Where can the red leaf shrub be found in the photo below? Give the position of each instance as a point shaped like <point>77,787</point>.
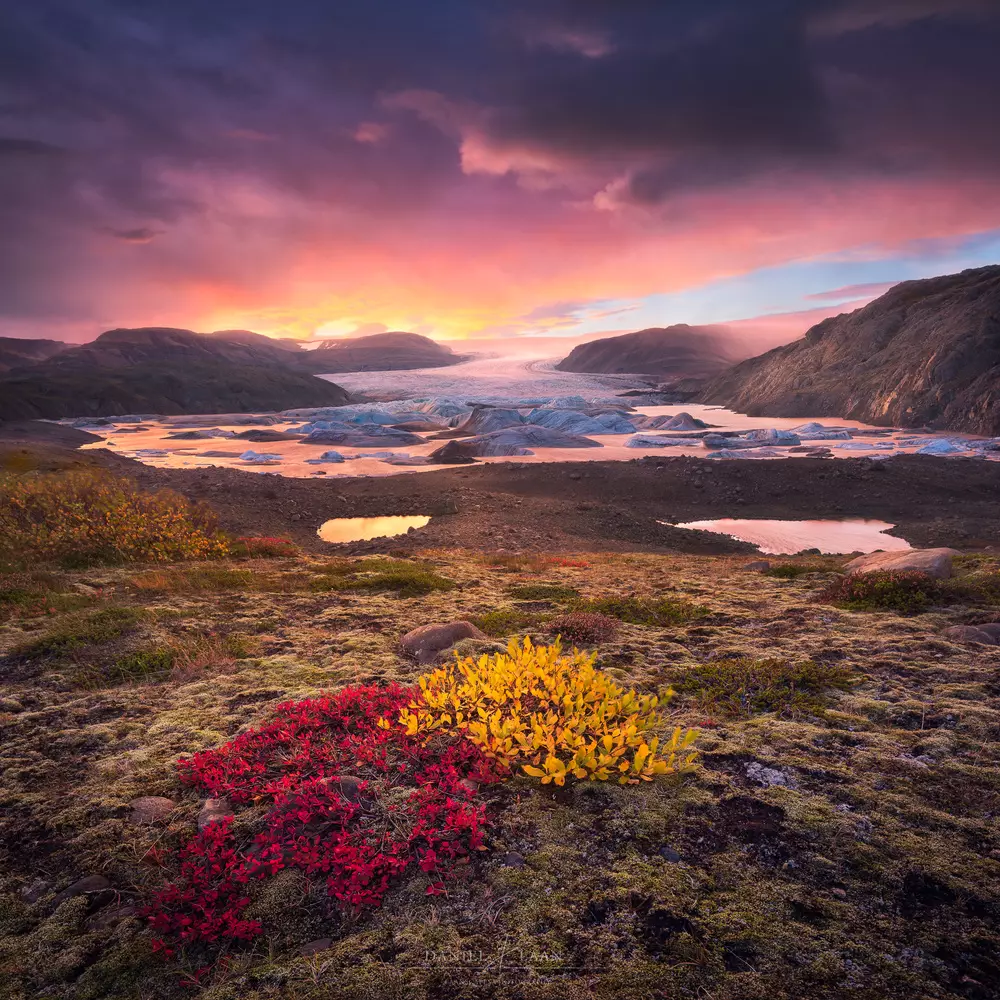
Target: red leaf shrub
<point>905,591</point>
<point>335,772</point>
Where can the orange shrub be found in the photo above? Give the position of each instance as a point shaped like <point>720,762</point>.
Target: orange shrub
<point>87,517</point>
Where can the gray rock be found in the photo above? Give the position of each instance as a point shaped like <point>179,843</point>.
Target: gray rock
<point>214,811</point>
<point>768,776</point>
<point>426,643</point>
<point>758,566</point>
<point>513,860</point>
<point>151,809</point>
<point>313,947</point>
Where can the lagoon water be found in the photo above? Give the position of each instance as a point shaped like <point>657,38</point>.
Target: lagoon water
<point>363,529</point>
<point>789,537</point>
<point>494,381</point>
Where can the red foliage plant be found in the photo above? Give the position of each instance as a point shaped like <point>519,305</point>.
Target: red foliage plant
<point>263,547</point>
<point>352,799</point>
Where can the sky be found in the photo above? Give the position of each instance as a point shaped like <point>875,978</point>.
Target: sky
<point>488,170</point>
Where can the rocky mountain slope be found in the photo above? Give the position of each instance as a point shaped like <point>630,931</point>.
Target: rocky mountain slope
<point>679,350</point>
<point>383,352</point>
<point>163,370</point>
<point>16,352</point>
<point>925,353</point>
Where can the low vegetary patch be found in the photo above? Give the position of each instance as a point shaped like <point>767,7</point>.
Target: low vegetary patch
<point>79,631</point>
<point>407,579</point>
<point>659,611</point>
<point>259,547</point>
<point>504,622</point>
<point>88,517</point>
<point>904,591</point>
<point>543,592</point>
<point>745,686</point>
<point>554,716</point>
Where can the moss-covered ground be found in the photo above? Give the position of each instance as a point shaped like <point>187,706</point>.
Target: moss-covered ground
<point>839,838</point>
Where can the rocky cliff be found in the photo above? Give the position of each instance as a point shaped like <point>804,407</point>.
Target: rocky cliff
<point>925,353</point>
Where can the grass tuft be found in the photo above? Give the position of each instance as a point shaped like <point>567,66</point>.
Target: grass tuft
<point>543,591</point>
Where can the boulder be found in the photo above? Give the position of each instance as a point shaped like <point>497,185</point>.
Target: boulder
<point>992,629</point>
<point>934,562</point>
<point>516,441</point>
<point>451,453</point>
<point>817,432</point>
<point>83,887</point>
<point>969,633</point>
<point>426,643</point>
<point>214,811</point>
<point>773,436</point>
<point>151,809</point>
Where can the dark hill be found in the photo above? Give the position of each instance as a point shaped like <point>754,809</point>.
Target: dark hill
<point>163,370</point>
<point>384,352</point>
<point>681,350</point>
<point>18,353</point>
<point>925,353</point>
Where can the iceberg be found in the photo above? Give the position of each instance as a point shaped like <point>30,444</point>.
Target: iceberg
<point>658,441</point>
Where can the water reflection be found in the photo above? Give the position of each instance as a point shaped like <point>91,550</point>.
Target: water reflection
<point>361,529</point>
<point>787,537</point>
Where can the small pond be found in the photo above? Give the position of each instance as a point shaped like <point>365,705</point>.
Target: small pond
<point>789,537</point>
<point>361,529</point>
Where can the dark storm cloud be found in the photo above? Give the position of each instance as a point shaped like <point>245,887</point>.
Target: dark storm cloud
<point>108,108</point>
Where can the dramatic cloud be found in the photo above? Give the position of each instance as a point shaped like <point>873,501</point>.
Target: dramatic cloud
<point>455,165</point>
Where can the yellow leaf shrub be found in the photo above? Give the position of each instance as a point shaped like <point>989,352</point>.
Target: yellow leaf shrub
<point>556,716</point>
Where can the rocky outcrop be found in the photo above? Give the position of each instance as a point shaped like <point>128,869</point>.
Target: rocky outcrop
<point>935,563</point>
<point>927,353</point>
<point>677,351</point>
<point>16,352</point>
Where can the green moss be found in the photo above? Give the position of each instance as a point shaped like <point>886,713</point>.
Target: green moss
<point>407,579</point>
<point>543,591</point>
<point>652,611</point>
<point>506,622</point>
<point>792,571</point>
<point>743,685</point>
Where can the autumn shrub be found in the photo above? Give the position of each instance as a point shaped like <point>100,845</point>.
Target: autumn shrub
<point>554,716</point>
<point>654,611</point>
<point>904,591</point>
<point>89,517</point>
<point>744,685</point>
<point>342,794</point>
<point>584,628</point>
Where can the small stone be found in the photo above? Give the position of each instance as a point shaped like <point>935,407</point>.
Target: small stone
<point>312,947</point>
<point>768,776</point>
<point>350,787</point>
<point>513,860</point>
<point>839,893</point>
<point>33,891</point>
<point>85,886</point>
<point>669,854</point>
<point>469,785</point>
<point>757,566</point>
<point>425,643</point>
<point>995,855</point>
<point>214,811</point>
<point>151,809</point>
